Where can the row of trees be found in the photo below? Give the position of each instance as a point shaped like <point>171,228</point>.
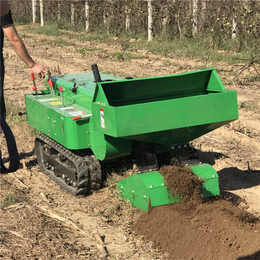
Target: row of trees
<point>234,19</point>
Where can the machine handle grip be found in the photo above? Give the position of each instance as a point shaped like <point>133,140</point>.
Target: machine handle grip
<point>96,73</point>
<point>50,82</point>
<point>32,75</point>
<point>76,118</point>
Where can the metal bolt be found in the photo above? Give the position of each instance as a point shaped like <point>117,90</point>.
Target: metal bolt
<point>89,145</point>
<point>144,196</point>
<point>133,191</point>
<point>163,184</point>
<point>63,176</point>
<point>87,132</point>
<point>48,118</point>
<point>150,170</point>
<point>54,121</point>
<point>185,145</point>
<point>121,187</point>
<point>151,186</point>
<point>68,179</point>
<point>172,147</point>
<point>200,162</point>
<point>52,168</point>
<point>46,164</point>
<point>139,172</point>
<point>55,134</point>
<point>74,184</point>
<point>179,146</point>
<point>213,175</point>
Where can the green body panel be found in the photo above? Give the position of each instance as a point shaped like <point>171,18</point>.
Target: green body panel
<point>210,177</point>
<point>149,187</point>
<point>135,120</point>
<point>45,114</point>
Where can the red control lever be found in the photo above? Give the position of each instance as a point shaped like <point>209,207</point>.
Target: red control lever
<point>34,85</point>
<point>76,118</point>
<point>83,116</point>
<point>51,85</point>
<point>61,97</point>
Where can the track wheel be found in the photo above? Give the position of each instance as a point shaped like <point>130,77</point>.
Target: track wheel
<point>94,169</point>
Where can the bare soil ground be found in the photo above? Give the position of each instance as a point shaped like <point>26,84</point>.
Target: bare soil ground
<point>41,221</point>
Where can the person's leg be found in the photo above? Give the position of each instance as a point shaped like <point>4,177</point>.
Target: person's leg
<point>2,104</point>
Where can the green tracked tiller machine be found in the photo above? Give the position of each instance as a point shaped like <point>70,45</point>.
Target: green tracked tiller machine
<point>90,119</point>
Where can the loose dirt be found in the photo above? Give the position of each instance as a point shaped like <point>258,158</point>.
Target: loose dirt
<point>213,230</point>
<point>181,182</point>
<point>199,228</point>
<point>41,221</point>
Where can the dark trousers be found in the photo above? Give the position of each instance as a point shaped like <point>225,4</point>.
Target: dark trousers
<point>2,104</point>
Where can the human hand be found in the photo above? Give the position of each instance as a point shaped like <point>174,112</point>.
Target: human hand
<point>39,69</point>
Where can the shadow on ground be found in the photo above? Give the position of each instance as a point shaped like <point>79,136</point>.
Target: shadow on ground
<point>231,178</point>
<point>255,256</point>
<point>234,179</point>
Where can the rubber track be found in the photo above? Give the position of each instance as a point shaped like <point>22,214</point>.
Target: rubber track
<point>95,172</point>
<point>83,185</point>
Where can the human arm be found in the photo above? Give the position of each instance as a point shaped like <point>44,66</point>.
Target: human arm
<point>9,30</point>
<point>20,49</point>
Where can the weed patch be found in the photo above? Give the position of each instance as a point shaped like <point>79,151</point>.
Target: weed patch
<point>124,56</point>
<point>51,30</point>
<point>249,105</point>
<point>10,199</point>
<point>252,78</point>
<point>12,113</point>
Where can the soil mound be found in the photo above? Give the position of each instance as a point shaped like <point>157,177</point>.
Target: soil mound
<point>213,229</point>
<point>182,182</point>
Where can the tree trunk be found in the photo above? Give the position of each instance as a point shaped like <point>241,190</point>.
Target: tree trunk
<point>33,10</point>
<point>106,18</point>
<point>72,15</point>
<point>150,20</point>
<point>41,12</point>
<point>165,18</point>
<point>195,17</point>
<point>203,14</point>
<point>127,19</point>
<point>59,11</point>
<point>87,14</point>
<point>234,27</point>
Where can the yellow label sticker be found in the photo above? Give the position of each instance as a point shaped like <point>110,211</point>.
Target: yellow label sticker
<point>55,103</point>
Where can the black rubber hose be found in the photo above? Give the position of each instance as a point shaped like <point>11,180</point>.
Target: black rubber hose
<point>14,160</point>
